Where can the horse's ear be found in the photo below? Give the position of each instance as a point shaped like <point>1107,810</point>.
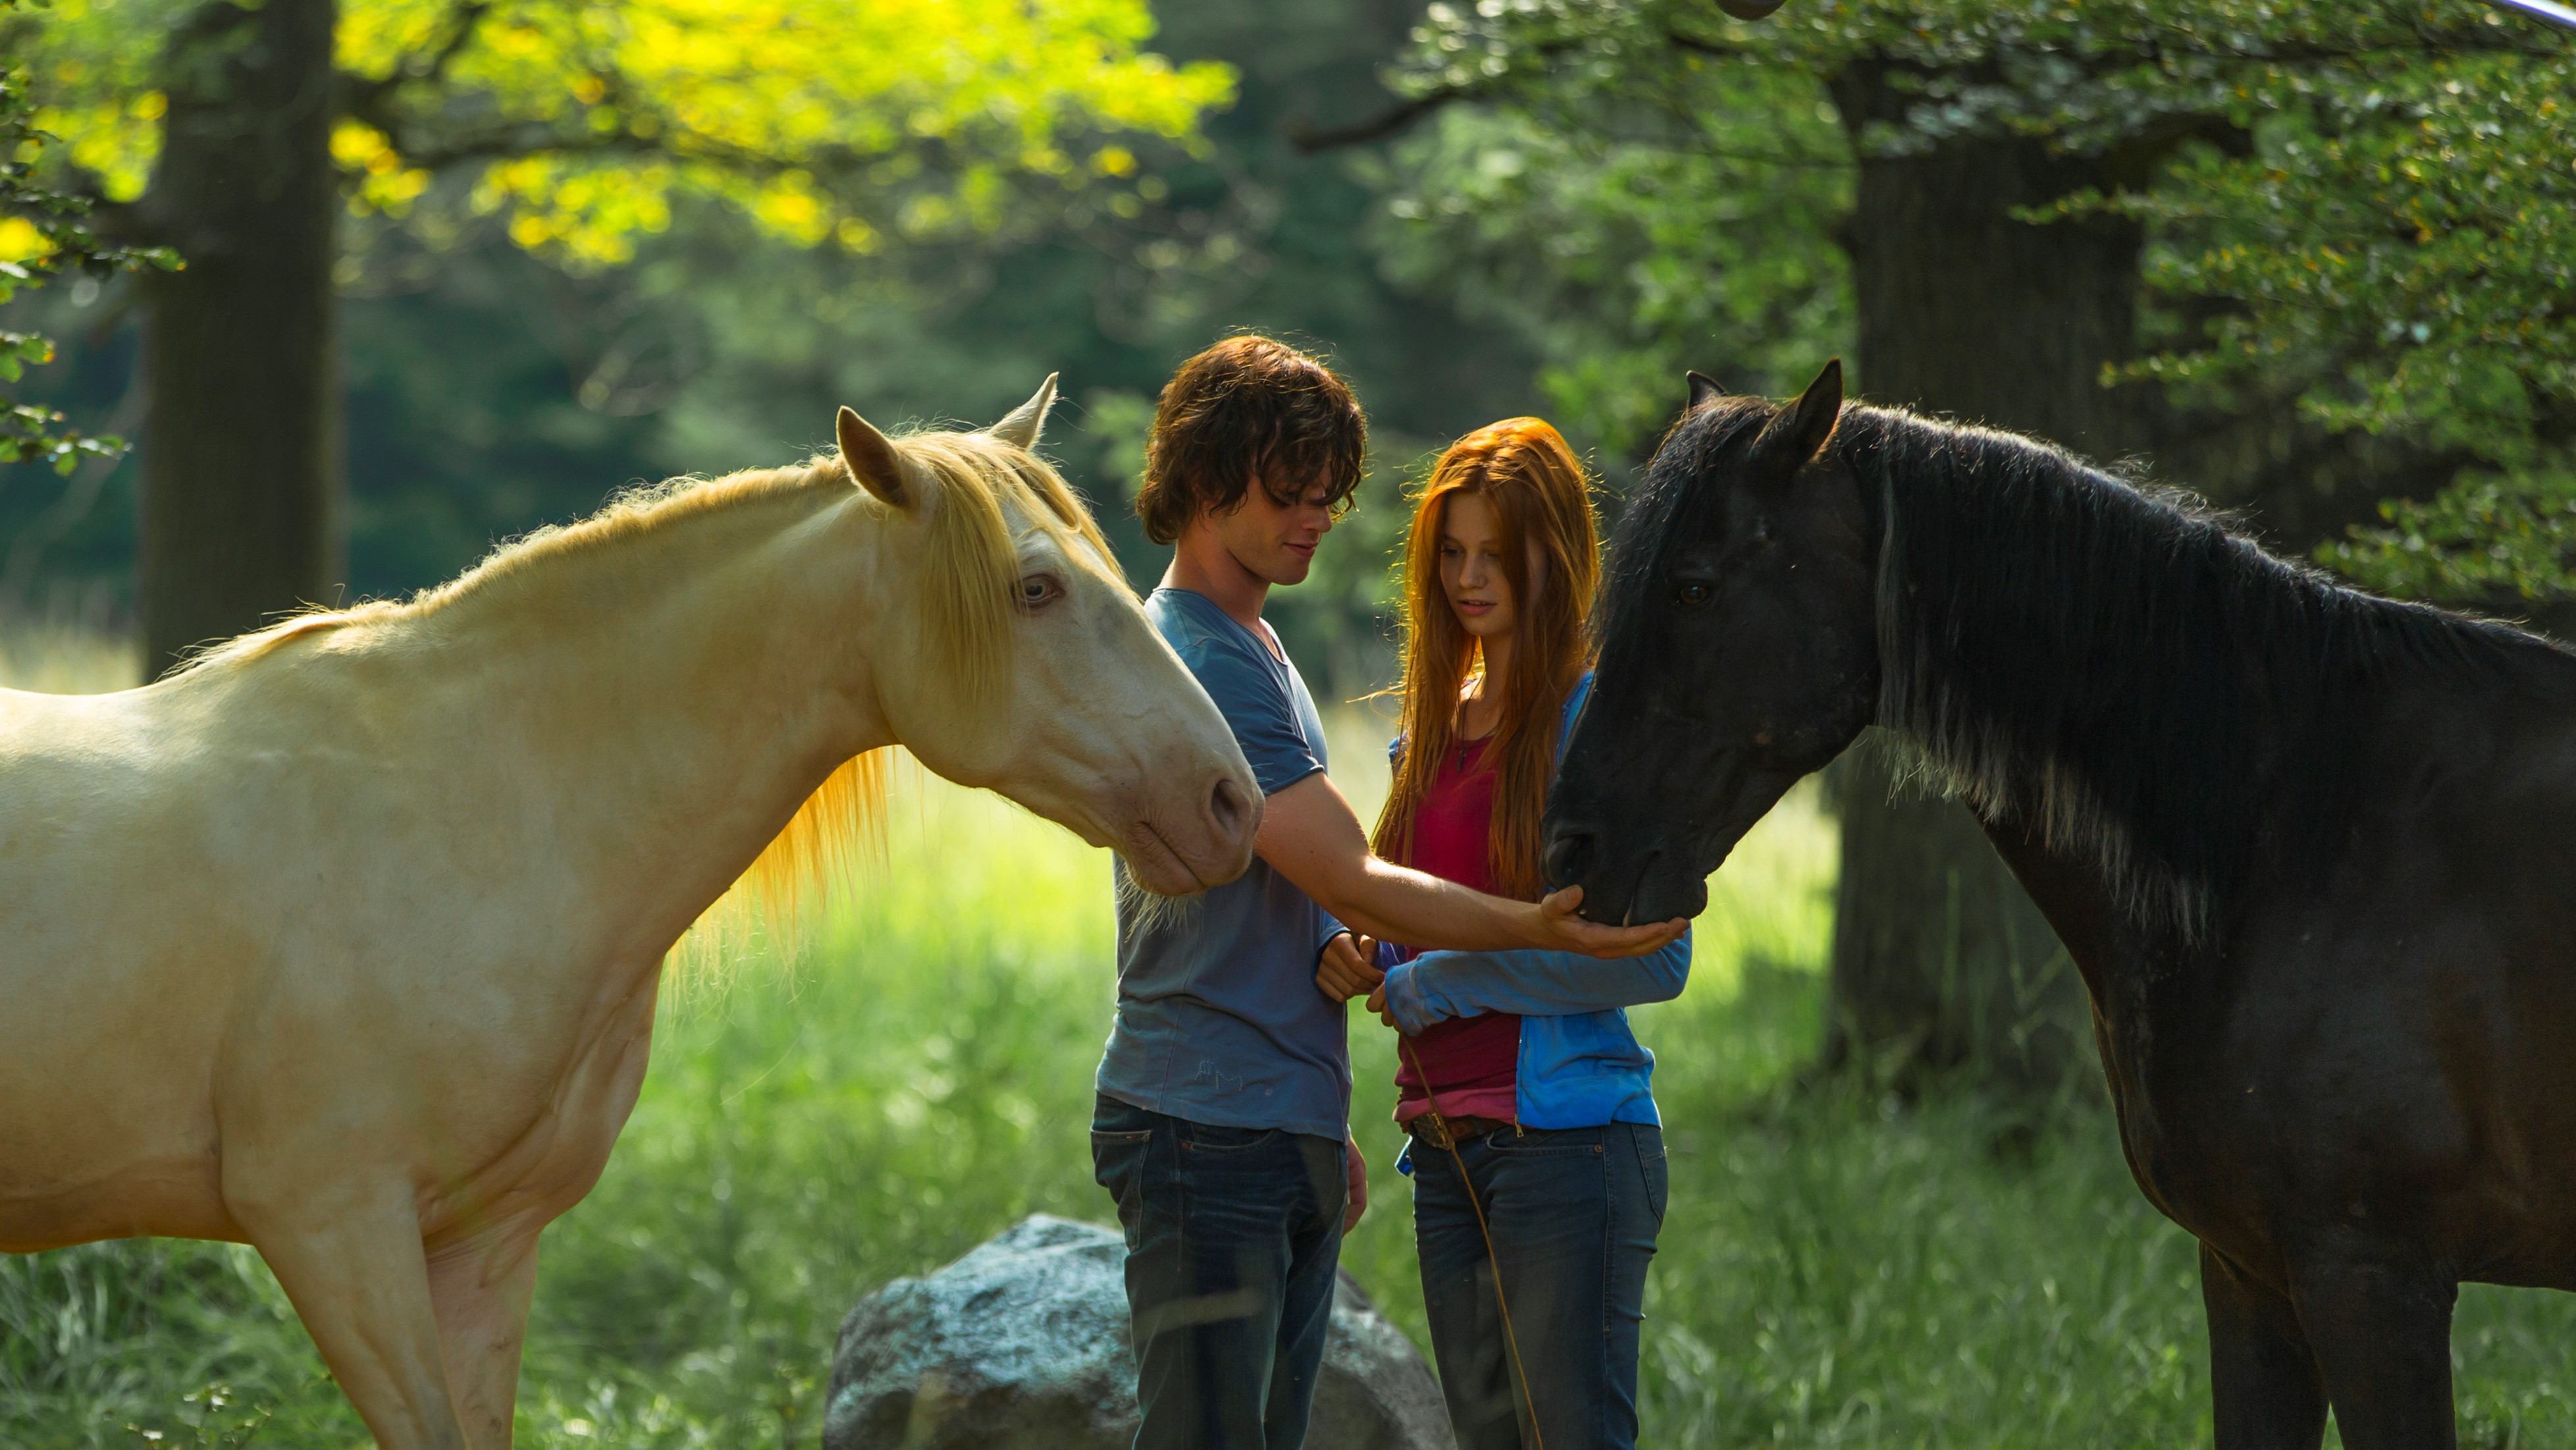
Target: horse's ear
<point>1798,432</point>
<point>871,459</point>
<point>1702,388</point>
<point>1020,426</point>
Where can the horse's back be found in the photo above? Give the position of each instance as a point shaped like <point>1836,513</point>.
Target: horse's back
<point>82,820</point>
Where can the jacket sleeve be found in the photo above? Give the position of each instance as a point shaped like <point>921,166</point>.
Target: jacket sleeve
<point>1439,985</point>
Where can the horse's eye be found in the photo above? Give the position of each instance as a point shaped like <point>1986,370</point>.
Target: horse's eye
<point>1037,591</point>
<point>1692,593</point>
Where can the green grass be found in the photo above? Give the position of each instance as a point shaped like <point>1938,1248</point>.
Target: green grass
<point>1836,1270</point>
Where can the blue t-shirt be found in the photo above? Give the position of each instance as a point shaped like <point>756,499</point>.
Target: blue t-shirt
<point>1218,1017</point>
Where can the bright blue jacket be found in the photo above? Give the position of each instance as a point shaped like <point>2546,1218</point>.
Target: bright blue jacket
<point>1580,1066</point>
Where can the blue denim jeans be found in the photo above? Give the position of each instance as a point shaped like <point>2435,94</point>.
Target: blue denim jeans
<point>1574,1213</point>
<point>1233,1235</point>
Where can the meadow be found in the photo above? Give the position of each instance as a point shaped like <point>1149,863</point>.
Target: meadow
<point>1839,1268</point>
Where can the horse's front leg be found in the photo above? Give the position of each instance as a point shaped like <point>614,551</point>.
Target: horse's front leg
<point>480,1288</point>
<point>2380,1325</point>
<point>351,1260</point>
<point>2263,1380</point>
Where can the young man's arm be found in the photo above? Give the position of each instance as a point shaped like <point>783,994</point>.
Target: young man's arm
<point>1309,835</point>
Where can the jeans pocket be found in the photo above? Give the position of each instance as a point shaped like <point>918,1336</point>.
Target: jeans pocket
<point>1655,1168</point>
<point>1219,1138</point>
<point>1118,1164</point>
<point>1546,1142</point>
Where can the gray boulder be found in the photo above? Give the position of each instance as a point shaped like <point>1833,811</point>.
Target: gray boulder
<point>1022,1345</point>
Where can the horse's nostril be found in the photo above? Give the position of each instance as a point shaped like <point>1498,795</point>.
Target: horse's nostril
<point>1228,808</point>
<point>1569,855</point>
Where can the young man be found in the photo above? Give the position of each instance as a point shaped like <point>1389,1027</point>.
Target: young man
<point>1222,1123</point>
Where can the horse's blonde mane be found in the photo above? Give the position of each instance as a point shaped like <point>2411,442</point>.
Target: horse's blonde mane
<point>629,513</point>
<point>969,574</point>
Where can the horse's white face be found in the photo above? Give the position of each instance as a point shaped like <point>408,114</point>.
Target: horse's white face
<point>1109,734</point>
<point>1098,726</point>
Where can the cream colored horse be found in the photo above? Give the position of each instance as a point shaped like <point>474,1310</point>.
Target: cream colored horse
<point>344,941</point>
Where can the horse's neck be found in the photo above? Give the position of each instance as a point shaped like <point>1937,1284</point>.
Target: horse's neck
<point>2081,659</point>
<point>677,695</point>
<point>2071,894</point>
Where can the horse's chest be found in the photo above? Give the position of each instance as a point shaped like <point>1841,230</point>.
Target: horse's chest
<point>2151,1133</point>
<point>564,1131</point>
<point>2182,1134</point>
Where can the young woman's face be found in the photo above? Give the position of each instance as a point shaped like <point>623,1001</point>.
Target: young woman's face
<point>1471,567</point>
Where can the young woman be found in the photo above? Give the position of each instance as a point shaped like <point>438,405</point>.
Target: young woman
<point>1519,1080</point>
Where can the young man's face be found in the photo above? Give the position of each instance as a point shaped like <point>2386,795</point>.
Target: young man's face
<point>1274,542</point>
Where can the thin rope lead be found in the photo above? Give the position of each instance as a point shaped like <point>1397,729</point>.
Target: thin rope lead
<point>1511,1341</point>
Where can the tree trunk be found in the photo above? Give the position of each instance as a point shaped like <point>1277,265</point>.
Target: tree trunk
<point>241,450</point>
<point>1939,960</point>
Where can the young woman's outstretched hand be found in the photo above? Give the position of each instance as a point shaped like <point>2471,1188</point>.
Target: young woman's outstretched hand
<point>1557,928</point>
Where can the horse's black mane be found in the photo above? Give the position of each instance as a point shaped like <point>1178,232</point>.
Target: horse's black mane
<point>2116,668</point>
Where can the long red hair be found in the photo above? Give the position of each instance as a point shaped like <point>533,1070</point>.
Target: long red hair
<point>1543,502</point>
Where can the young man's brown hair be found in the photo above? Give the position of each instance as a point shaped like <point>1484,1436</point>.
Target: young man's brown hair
<point>1248,407</point>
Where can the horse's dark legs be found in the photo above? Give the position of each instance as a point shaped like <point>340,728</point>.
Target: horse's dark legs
<point>2263,1381</point>
<point>2381,1332</point>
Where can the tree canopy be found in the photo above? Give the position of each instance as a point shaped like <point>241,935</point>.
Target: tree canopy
<point>583,121</point>
<point>241,133</point>
<point>43,234</point>
<point>490,389</point>
<point>2363,211</point>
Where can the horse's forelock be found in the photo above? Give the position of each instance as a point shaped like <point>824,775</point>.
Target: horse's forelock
<point>1670,501</point>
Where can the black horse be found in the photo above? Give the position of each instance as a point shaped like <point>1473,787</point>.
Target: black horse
<point>2313,851</point>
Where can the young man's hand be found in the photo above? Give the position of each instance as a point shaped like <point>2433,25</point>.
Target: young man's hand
<point>1357,1167</point>
<point>1558,929</point>
<point>1377,1004</point>
<point>1348,967</point>
<point>1309,835</point>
